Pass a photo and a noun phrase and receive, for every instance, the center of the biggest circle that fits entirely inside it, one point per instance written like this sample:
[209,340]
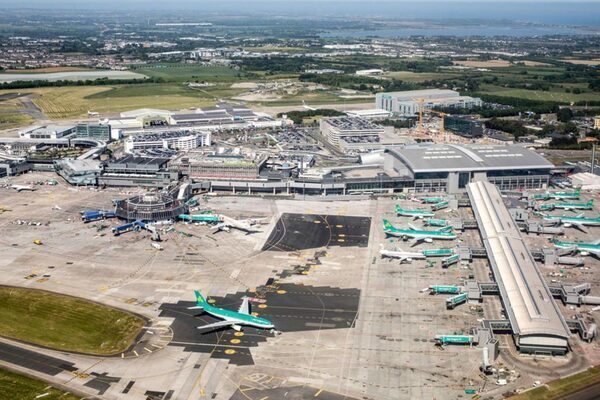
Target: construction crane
[442,115]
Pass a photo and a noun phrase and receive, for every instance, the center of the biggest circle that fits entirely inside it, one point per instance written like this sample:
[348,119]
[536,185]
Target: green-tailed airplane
[583,248]
[418,235]
[574,206]
[233,319]
[578,221]
[418,213]
[558,195]
[432,200]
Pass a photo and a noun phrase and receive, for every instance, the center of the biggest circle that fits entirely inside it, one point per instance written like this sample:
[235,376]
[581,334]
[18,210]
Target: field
[583,62]
[555,94]
[70,75]
[76,101]
[189,72]
[46,70]
[484,64]
[19,387]
[12,115]
[65,323]
[408,76]
[558,389]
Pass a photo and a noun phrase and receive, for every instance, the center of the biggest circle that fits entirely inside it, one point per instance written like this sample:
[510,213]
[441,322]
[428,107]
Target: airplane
[558,195]
[418,213]
[401,254]
[585,249]
[243,225]
[231,319]
[307,106]
[574,206]
[418,235]
[579,221]
[20,188]
[432,200]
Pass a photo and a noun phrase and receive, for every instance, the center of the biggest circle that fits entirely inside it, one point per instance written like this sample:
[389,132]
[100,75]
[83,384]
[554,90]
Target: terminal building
[52,131]
[100,132]
[408,103]
[131,171]
[449,168]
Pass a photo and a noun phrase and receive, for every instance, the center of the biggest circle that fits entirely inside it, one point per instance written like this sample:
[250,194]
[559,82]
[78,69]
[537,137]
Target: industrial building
[351,133]
[51,131]
[464,126]
[172,139]
[408,103]
[537,324]
[100,132]
[220,165]
[13,167]
[374,114]
[449,168]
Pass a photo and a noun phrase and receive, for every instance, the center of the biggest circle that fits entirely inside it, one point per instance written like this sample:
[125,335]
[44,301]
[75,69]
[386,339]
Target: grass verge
[65,323]
[559,388]
[18,387]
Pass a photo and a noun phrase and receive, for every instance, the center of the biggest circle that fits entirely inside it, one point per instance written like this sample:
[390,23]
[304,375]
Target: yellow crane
[442,115]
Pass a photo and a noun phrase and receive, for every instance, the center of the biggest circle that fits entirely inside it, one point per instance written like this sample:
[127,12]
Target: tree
[564,114]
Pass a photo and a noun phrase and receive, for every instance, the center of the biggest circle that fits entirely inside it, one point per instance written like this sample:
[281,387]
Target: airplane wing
[579,226]
[411,226]
[216,325]
[416,241]
[244,307]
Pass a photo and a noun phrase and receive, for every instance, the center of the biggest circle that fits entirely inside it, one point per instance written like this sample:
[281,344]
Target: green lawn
[557,389]
[185,72]
[19,387]
[556,94]
[65,323]
[12,120]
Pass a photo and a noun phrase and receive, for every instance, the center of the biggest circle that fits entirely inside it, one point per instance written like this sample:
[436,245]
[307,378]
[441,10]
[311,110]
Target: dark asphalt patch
[308,231]
[34,361]
[292,308]
[101,382]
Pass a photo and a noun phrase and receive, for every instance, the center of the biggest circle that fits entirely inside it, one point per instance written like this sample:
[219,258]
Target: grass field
[558,389]
[408,76]
[65,323]
[46,70]
[18,387]
[556,94]
[10,115]
[189,72]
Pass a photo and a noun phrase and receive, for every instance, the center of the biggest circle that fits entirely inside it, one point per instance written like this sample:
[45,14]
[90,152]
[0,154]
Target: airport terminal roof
[532,312]
[451,157]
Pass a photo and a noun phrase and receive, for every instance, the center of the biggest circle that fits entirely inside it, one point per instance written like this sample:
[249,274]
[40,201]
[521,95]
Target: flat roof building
[50,131]
[350,133]
[408,103]
[100,132]
[537,324]
[451,167]
[174,139]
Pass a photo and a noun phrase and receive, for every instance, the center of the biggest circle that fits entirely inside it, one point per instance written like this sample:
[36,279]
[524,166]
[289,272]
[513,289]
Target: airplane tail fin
[200,301]
[387,224]
[399,209]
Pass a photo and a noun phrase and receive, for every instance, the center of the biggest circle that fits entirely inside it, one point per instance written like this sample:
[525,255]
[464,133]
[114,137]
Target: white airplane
[401,254]
[20,188]
[307,106]
[247,225]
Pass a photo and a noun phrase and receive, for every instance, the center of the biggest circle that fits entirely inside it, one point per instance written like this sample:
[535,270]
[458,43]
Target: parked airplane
[583,248]
[432,200]
[418,213]
[20,188]
[579,221]
[231,319]
[401,254]
[573,195]
[418,235]
[575,206]
[247,225]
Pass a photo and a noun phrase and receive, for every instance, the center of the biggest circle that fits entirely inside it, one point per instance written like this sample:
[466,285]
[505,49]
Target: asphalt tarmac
[308,231]
[292,308]
[34,361]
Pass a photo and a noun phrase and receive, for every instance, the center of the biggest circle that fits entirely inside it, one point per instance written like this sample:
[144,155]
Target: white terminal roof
[451,157]
[532,312]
